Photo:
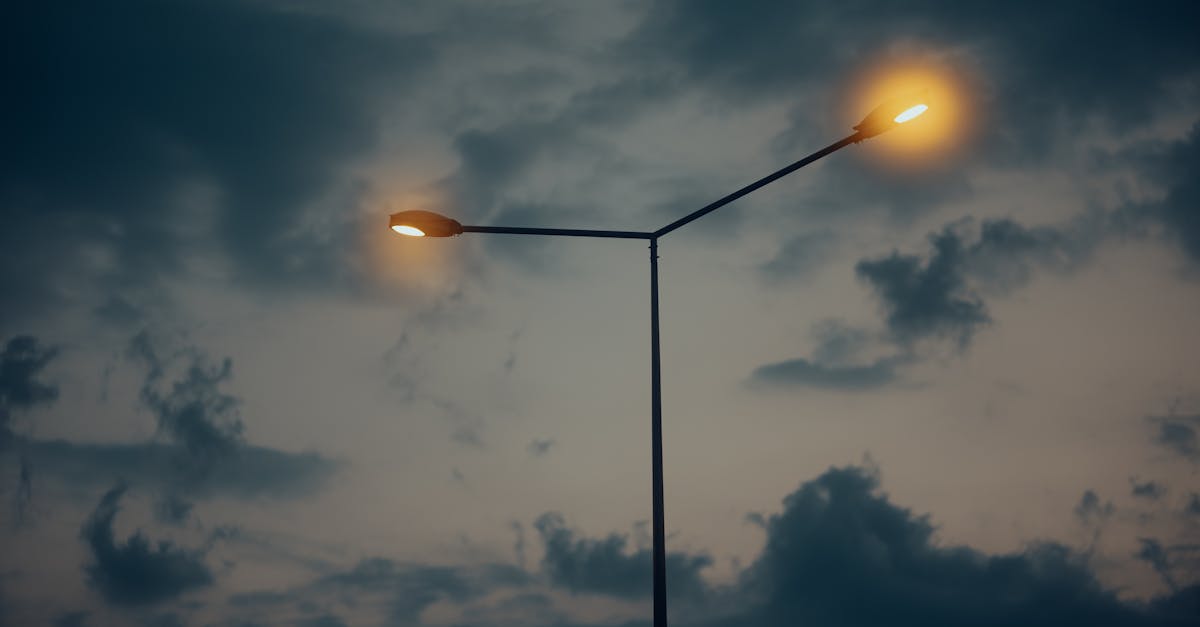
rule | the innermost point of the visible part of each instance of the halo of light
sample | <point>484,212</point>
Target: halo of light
<point>921,140</point>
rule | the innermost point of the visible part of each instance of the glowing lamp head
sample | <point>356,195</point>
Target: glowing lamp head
<point>404,229</point>
<point>424,224</point>
<point>893,113</point>
<point>910,113</point>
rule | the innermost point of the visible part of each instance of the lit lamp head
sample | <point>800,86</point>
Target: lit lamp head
<point>893,113</point>
<point>424,224</point>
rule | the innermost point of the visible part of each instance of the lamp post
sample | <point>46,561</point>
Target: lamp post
<point>428,224</point>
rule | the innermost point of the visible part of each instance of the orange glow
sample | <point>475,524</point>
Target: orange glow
<point>925,135</point>
<point>408,230</point>
<point>417,267</point>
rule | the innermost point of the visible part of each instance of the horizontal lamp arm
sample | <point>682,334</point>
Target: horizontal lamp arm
<point>511,230</point>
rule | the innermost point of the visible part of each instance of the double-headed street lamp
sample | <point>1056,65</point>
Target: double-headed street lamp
<point>428,224</point>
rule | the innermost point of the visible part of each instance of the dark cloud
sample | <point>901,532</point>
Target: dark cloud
<point>325,620</point>
<point>1153,553</point>
<point>252,472</point>
<point>135,572</point>
<point>518,542</point>
<point>1030,88</point>
<point>841,554</point>
<point>402,590</point>
<point>168,619</point>
<point>72,619</point>
<point>522,608</point>
<point>540,446</point>
<point>835,363</point>
<point>191,410</point>
<point>806,373</point>
<point>411,588</point>
<point>1193,505</point>
<point>1006,252</point>
<point>203,454</point>
<point>21,364</point>
<point>1183,605</point>
<point>1151,490</point>
<point>1041,71</point>
<point>937,296</point>
<point>604,566</point>
<point>1178,435</point>
<point>926,298</point>
<point>24,493</point>
<point>172,509</point>
<point>1173,166</point>
<point>159,130</point>
<point>1090,510</point>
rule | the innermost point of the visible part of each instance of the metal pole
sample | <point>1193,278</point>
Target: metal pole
<point>660,533</point>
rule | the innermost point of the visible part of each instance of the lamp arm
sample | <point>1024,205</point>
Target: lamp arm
<point>770,178</point>
<point>516,230</point>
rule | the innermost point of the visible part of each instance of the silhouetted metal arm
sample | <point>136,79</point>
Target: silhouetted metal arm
<point>515,230</point>
<point>770,178</point>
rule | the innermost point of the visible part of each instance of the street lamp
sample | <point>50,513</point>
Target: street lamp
<point>883,118</point>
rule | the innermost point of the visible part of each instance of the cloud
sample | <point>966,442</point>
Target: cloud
<point>518,542</point>
<point>159,131</point>
<point>840,553</point>
<point>1153,553</point>
<point>192,410</point>
<point>1178,435</point>
<point>540,447</point>
<point>204,453</point>
<point>1173,165</point>
<point>252,472</point>
<point>1005,253</point>
<point>400,591</point>
<point>937,296</point>
<point>72,619</point>
<point>926,298</point>
<point>1193,505</point>
<point>1034,80</point>
<point>1151,490</point>
<point>834,364</point>
<point>412,588</point>
<point>803,372</point>
<point>172,509</point>
<point>603,566</point>
<point>1090,510</point>
<point>136,573</point>
<point>21,363</point>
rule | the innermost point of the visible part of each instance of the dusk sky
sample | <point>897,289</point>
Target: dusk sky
<point>946,376</point>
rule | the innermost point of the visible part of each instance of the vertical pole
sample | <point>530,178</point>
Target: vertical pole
<point>660,539</point>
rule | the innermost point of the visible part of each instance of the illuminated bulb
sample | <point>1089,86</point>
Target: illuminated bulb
<point>404,229</point>
<point>911,113</point>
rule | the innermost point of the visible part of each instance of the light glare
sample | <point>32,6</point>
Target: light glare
<point>911,113</point>
<point>404,229</point>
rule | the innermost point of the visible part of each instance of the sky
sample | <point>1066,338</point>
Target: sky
<point>944,376</point>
